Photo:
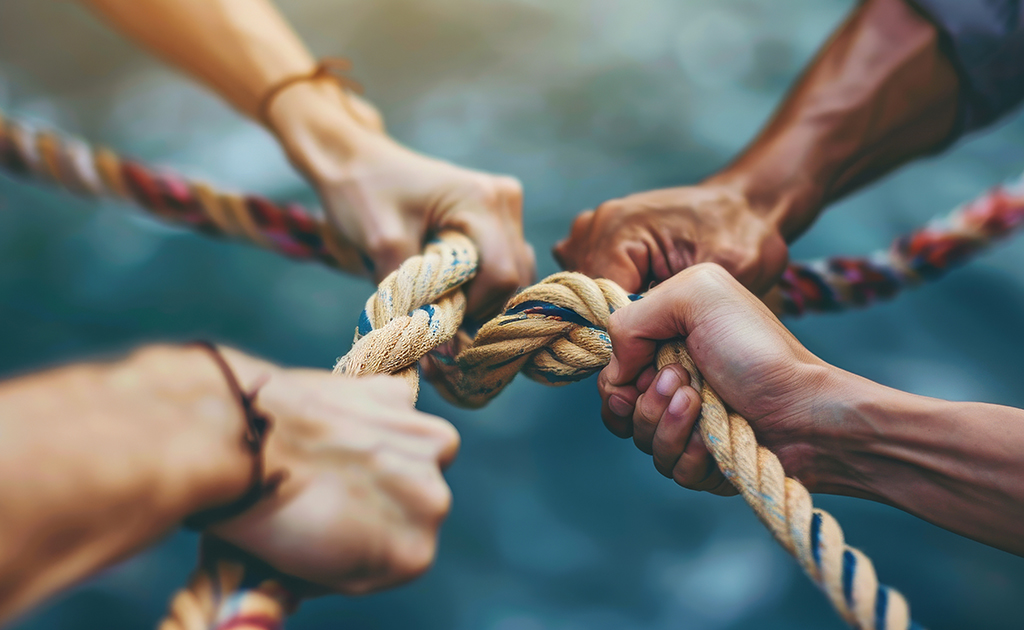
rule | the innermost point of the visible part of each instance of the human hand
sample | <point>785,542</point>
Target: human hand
<point>747,356</point>
<point>386,199</point>
<point>362,496</point>
<point>651,236</point>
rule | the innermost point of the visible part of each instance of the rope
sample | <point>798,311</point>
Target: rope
<point>827,285</point>
<point>555,332</point>
<point>97,173</point>
<point>842,283</point>
<point>417,307</point>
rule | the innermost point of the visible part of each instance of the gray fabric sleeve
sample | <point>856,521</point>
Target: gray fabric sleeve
<point>985,39</point>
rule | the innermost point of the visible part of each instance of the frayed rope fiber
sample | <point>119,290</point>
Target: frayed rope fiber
<point>554,332</point>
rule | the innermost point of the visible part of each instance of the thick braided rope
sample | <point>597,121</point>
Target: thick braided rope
<point>415,309</point>
<point>828,285</point>
<point>555,332</point>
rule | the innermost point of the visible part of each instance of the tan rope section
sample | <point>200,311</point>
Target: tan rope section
<point>555,332</point>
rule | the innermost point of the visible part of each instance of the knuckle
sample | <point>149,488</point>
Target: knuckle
<point>503,276</point>
<point>510,188</point>
<point>413,557</point>
<point>683,478</point>
<point>447,435</point>
<point>582,220</point>
<point>387,244</point>
<point>662,463</point>
<point>642,443</point>
<point>644,415</point>
<point>709,275</point>
<point>437,501</point>
<point>496,191</point>
<point>611,207</point>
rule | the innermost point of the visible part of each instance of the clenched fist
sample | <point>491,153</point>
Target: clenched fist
<point>651,236</point>
<point>362,497</point>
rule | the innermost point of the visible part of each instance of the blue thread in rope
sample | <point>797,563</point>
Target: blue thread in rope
<point>881,607</point>
<point>816,538</point>
<point>849,568</point>
<point>364,326</point>
<point>537,307</point>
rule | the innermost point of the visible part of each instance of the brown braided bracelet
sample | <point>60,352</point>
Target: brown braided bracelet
<point>333,68</point>
<point>257,426</point>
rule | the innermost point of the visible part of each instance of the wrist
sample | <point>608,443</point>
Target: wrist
<point>870,446</point>
<point>787,198</point>
<point>199,455</point>
<point>320,128</point>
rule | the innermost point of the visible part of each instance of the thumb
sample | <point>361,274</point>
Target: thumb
<point>635,331</point>
<point>388,245</point>
<point>626,267</point>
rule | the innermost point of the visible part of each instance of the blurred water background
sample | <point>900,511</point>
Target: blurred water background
<point>557,525</point>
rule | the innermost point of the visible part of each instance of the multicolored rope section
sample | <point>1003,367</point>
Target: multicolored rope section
<point>841,283</point>
<point>98,173</point>
<point>230,590</point>
<point>828,285</point>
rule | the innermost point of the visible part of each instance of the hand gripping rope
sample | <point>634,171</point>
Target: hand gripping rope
<point>554,331</point>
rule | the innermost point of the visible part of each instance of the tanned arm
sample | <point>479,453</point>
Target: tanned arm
<point>880,93</point>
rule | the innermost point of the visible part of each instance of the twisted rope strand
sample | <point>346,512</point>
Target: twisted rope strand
<point>97,173</point>
<point>827,285</point>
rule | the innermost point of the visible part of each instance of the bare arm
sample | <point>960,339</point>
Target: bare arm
<point>881,92</point>
<point>957,465</point>
<point>98,461</point>
<point>240,48</point>
<point>382,197</point>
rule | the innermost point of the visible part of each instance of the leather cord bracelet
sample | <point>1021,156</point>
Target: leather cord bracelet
<point>332,68</point>
<point>257,426</point>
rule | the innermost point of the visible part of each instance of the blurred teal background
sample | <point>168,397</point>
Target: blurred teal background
<point>556,525</point>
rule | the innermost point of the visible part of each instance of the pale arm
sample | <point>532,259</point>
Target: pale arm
<point>383,198</point>
<point>957,465</point>
<point>240,48</point>
<point>98,461</point>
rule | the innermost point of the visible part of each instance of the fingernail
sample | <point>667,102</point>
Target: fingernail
<point>668,382</point>
<point>619,406</point>
<point>678,404</point>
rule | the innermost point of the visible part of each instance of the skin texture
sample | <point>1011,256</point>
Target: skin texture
<point>954,464</point>
<point>382,197</point>
<point>880,93</point>
<point>157,436</point>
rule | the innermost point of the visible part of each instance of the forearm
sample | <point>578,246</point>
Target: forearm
<point>240,48</point>
<point>957,465</point>
<point>99,460</point>
<point>880,93</point>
